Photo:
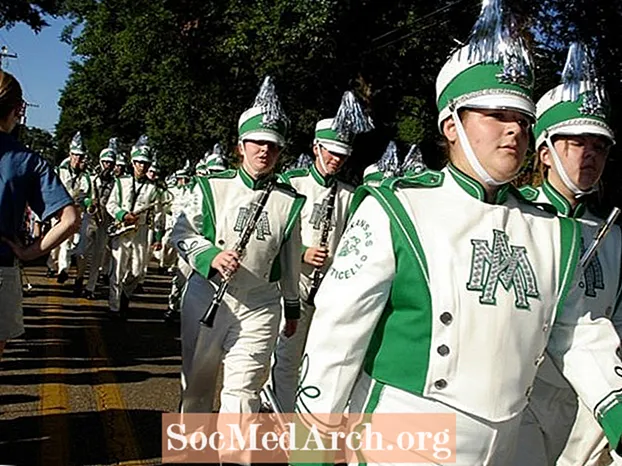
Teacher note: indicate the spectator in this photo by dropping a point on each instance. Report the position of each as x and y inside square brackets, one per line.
[25, 178]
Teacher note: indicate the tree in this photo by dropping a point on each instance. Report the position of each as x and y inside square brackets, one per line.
[184, 70]
[40, 141]
[31, 12]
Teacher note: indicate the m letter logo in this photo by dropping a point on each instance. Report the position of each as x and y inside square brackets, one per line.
[503, 264]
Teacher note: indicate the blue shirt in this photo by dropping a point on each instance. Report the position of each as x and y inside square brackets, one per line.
[25, 178]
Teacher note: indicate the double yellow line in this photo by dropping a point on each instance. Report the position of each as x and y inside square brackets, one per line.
[121, 442]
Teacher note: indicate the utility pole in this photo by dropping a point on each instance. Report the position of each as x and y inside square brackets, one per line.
[4, 53]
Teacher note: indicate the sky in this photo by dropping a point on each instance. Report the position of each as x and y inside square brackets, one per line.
[41, 67]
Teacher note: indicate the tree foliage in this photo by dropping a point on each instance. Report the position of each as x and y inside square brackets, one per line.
[31, 12]
[183, 70]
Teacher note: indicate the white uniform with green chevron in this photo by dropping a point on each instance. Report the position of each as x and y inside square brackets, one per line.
[97, 242]
[246, 326]
[555, 426]
[79, 187]
[316, 188]
[182, 270]
[130, 250]
[442, 303]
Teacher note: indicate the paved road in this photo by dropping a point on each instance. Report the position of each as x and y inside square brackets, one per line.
[79, 389]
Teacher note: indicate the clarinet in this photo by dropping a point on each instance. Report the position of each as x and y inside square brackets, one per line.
[240, 247]
[317, 276]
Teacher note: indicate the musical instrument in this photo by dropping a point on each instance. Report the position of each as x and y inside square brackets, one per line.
[316, 278]
[119, 227]
[95, 209]
[240, 247]
[598, 237]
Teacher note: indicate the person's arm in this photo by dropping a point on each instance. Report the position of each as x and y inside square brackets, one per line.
[290, 276]
[194, 230]
[349, 303]
[68, 224]
[586, 351]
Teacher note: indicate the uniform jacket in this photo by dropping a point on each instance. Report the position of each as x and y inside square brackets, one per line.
[130, 195]
[437, 293]
[599, 284]
[217, 210]
[316, 188]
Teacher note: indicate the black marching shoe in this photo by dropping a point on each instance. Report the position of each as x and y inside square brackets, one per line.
[171, 316]
[50, 273]
[125, 306]
[78, 286]
[90, 295]
[62, 277]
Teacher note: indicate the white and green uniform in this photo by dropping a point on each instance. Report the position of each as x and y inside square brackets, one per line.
[555, 420]
[168, 255]
[78, 185]
[182, 270]
[438, 302]
[316, 188]
[246, 326]
[130, 250]
[100, 252]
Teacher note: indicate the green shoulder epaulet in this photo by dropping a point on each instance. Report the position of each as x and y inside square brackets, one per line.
[426, 179]
[528, 192]
[295, 173]
[231, 173]
[288, 188]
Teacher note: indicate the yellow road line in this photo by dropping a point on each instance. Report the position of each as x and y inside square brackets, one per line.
[54, 404]
[121, 442]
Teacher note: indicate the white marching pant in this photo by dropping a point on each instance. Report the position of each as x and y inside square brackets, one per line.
[242, 338]
[168, 254]
[88, 234]
[99, 251]
[129, 255]
[52, 262]
[287, 358]
[65, 251]
[178, 283]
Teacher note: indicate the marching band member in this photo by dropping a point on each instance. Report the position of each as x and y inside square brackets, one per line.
[130, 202]
[215, 161]
[182, 270]
[447, 287]
[262, 273]
[325, 195]
[77, 181]
[120, 165]
[102, 187]
[573, 138]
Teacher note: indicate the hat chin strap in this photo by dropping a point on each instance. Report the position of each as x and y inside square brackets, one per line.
[563, 175]
[470, 155]
[319, 156]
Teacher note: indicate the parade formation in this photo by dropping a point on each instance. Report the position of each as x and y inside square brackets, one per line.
[420, 291]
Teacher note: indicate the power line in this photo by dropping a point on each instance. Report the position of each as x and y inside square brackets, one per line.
[432, 13]
[412, 33]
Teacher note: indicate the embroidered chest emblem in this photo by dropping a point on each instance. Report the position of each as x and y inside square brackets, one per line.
[318, 214]
[503, 264]
[262, 228]
[593, 278]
